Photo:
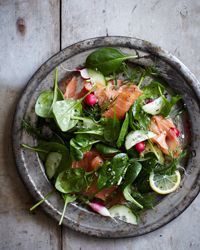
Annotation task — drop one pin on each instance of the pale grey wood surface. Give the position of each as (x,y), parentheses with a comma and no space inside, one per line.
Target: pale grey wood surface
(22,51)
(172,24)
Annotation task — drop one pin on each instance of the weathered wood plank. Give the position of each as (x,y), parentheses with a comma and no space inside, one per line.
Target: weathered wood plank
(29,35)
(174,25)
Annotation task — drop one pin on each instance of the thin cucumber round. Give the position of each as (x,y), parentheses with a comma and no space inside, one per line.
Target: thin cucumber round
(96,77)
(123,213)
(137,136)
(154,107)
(52,162)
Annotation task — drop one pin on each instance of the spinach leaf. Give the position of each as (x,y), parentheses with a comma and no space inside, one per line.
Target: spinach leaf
(72,180)
(140,118)
(134,168)
(81,143)
(112,172)
(47,98)
(98,130)
(105,149)
(123,131)
(128,197)
(85,140)
(75,150)
(111,129)
(52,163)
(148,165)
(43,104)
(107,60)
(64,112)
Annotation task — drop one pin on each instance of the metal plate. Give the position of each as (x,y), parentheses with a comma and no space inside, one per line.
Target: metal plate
(31,169)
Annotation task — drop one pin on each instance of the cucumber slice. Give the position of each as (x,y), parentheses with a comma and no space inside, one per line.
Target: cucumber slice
(96,77)
(52,162)
(123,213)
(137,136)
(154,107)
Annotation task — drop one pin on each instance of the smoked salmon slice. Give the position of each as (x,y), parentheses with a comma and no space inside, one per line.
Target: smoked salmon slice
(93,190)
(91,161)
(165,137)
(126,96)
(71,87)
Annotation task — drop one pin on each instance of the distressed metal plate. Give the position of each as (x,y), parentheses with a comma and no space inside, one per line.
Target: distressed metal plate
(31,169)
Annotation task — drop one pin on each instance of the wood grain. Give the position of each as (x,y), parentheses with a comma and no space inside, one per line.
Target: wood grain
(29,35)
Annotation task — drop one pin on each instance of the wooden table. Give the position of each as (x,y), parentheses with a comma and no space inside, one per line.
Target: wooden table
(33,31)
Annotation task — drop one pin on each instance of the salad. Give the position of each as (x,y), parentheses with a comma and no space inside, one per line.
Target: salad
(113,145)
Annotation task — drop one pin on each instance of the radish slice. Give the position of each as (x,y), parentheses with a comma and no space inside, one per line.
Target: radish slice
(137,136)
(153,107)
(84,73)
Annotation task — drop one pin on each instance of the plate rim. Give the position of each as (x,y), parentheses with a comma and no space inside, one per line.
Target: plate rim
(127,42)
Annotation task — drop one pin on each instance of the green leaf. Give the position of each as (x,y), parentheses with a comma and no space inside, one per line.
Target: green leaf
(81,143)
(44,103)
(128,197)
(123,131)
(112,172)
(105,149)
(75,150)
(107,60)
(52,163)
(111,129)
(64,112)
(134,168)
(47,98)
(85,140)
(71,181)
(140,119)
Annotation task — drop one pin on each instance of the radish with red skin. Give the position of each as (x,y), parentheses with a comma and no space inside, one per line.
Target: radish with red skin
(90,99)
(176,131)
(99,208)
(140,147)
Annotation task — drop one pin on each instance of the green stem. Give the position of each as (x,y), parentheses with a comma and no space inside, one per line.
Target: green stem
(63,212)
(141,80)
(35,149)
(41,201)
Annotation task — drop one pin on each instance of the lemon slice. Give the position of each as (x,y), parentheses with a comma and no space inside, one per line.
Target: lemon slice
(163,183)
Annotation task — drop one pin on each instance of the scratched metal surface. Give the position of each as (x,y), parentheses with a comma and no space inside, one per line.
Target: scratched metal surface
(30,34)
